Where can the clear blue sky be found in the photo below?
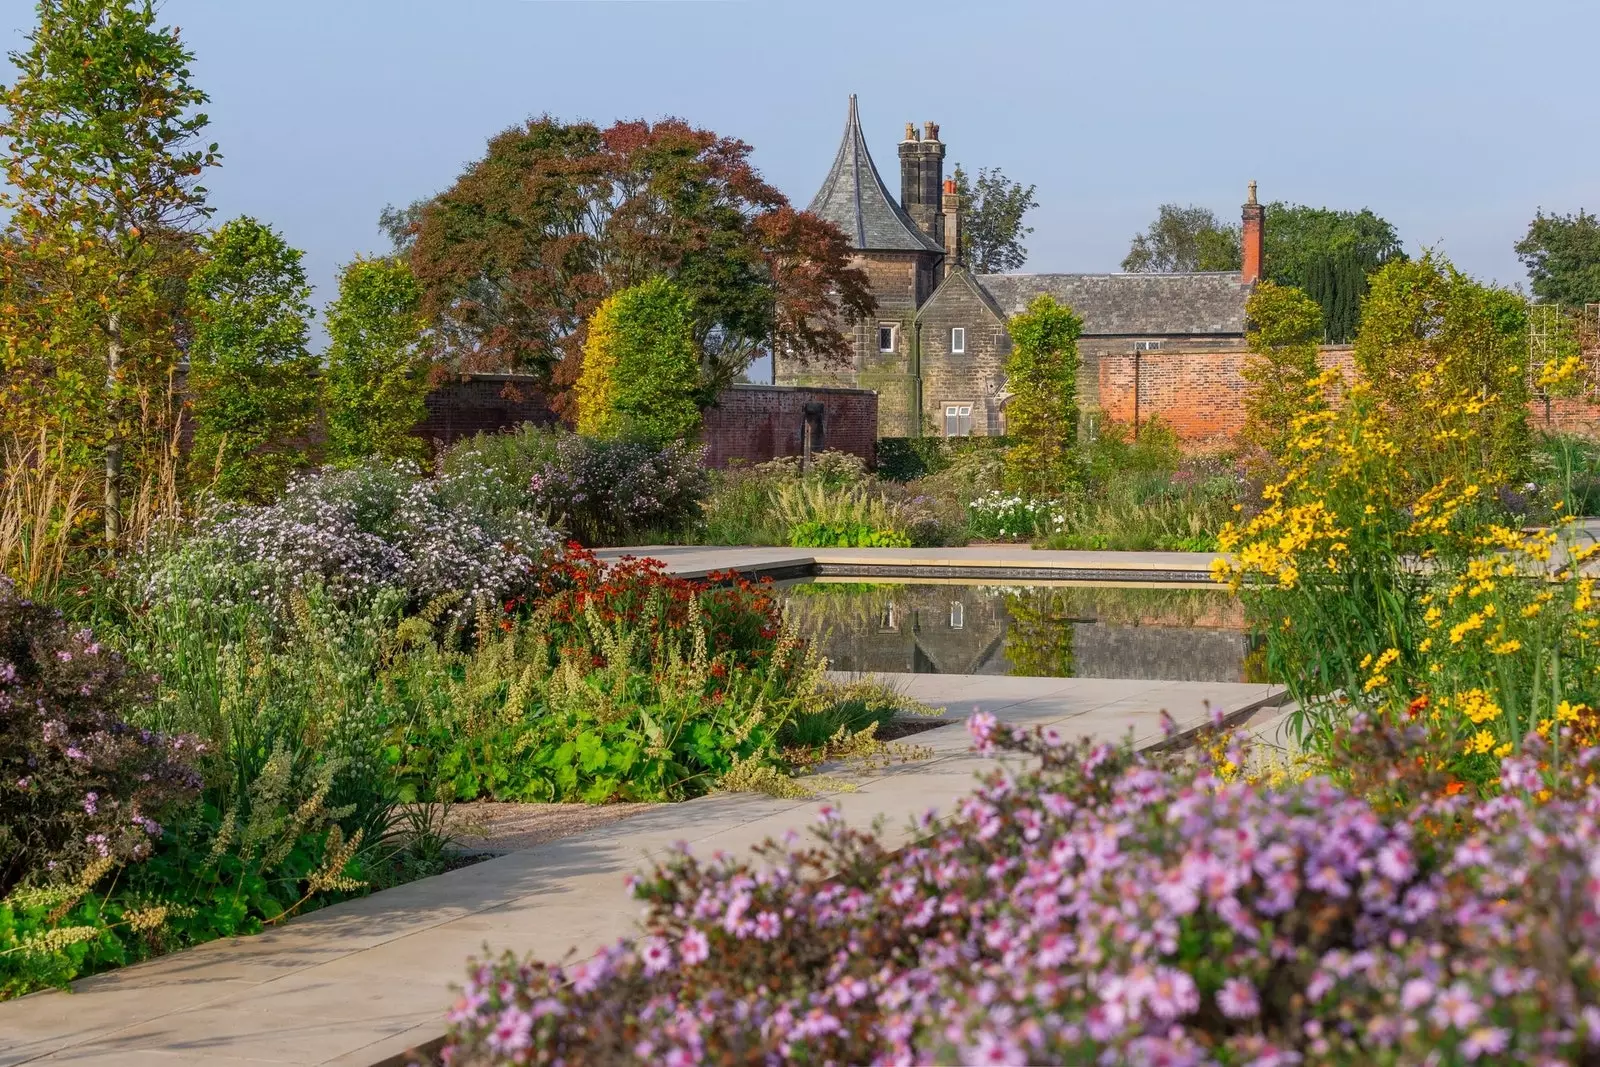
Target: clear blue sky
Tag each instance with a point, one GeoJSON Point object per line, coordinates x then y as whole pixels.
{"type": "Point", "coordinates": [1454, 119]}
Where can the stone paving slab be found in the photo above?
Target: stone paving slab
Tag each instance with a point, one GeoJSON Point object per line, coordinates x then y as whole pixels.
{"type": "Point", "coordinates": [367, 979]}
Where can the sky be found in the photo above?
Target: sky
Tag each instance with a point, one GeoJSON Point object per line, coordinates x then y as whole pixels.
{"type": "Point", "coordinates": [1454, 120]}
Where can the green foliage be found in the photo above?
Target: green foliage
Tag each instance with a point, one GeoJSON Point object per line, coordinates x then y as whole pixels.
{"type": "Point", "coordinates": [1184, 239]}
{"type": "Point", "coordinates": [836, 534]}
{"type": "Point", "coordinates": [101, 196]}
{"type": "Point", "coordinates": [992, 209]}
{"type": "Point", "coordinates": [1042, 415]}
{"type": "Point", "coordinates": [252, 384]}
{"type": "Point", "coordinates": [377, 368]}
{"type": "Point", "coordinates": [1426, 321]}
{"type": "Point", "coordinates": [641, 375]}
{"type": "Point", "coordinates": [1284, 329]}
{"type": "Point", "coordinates": [1562, 254]}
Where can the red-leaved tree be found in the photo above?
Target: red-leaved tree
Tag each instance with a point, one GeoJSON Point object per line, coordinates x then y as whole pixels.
{"type": "Point", "coordinates": [515, 256]}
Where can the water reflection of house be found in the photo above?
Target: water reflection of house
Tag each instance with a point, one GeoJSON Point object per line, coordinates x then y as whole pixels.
{"type": "Point", "coordinates": [952, 629]}
{"type": "Point", "coordinates": [913, 629]}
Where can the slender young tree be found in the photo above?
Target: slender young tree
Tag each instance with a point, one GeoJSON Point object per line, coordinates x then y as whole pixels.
{"type": "Point", "coordinates": [102, 197]}
{"type": "Point", "coordinates": [992, 210]}
{"type": "Point", "coordinates": [1042, 415]}
{"type": "Point", "coordinates": [377, 367]}
{"type": "Point", "coordinates": [641, 366]}
{"type": "Point", "coordinates": [252, 385]}
{"type": "Point", "coordinates": [1284, 332]}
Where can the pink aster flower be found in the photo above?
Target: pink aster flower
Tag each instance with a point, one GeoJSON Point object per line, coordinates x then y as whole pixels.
{"type": "Point", "coordinates": [695, 947]}
{"type": "Point", "coordinates": [1455, 1007]}
{"type": "Point", "coordinates": [655, 955]}
{"type": "Point", "coordinates": [1237, 999]}
{"type": "Point", "coordinates": [768, 926]}
{"type": "Point", "coordinates": [513, 1031]}
{"type": "Point", "coordinates": [1490, 1040]}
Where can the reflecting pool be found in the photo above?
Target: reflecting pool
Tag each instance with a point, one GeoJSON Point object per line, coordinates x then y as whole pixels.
{"type": "Point", "coordinates": [1064, 630]}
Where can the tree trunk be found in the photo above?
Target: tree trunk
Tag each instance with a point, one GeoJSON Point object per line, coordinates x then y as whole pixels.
{"type": "Point", "coordinates": [113, 497]}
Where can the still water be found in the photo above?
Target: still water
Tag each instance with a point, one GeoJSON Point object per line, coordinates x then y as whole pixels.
{"type": "Point", "coordinates": [1053, 631]}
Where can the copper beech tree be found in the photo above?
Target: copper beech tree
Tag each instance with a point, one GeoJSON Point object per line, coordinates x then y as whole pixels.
{"type": "Point", "coordinates": [518, 253]}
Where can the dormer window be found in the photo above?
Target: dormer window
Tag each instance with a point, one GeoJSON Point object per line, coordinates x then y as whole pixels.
{"type": "Point", "coordinates": [958, 341]}
{"type": "Point", "coordinates": [885, 338]}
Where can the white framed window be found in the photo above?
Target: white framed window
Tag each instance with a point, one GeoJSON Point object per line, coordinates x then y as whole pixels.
{"type": "Point", "coordinates": [1147, 346]}
{"type": "Point", "coordinates": [958, 615]}
{"type": "Point", "coordinates": [886, 338]}
{"type": "Point", "coordinates": [958, 420]}
{"type": "Point", "coordinates": [958, 340]}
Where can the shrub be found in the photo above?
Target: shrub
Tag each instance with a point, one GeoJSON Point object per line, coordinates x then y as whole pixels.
{"type": "Point", "coordinates": [1107, 908]}
{"type": "Point", "coordinates": [641, 366]}
{"type": "Point", "coordinates": [78, 784]}
{"type": "Point", "coordinates": [377, 369]}
{"type": "Point", "coordinates": [1042, 416]}
{"type": "Point", "coordinates": [353, 532]}
{"type": "Point", "coordinates": [816, 505]}
{"type": "Point", "coordinates": [622, 683]}
{"type": "Point", "coordinates": [602, 492]}
{"type": "Point", "coordinates": [905, 459]}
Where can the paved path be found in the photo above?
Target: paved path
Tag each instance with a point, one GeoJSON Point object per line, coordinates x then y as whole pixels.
{"type": "Point", "coordinates": [367, 979]}
{"type": "Point", "coordinates": [997, 562]}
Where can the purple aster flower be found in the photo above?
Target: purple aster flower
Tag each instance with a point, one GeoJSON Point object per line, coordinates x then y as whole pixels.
{"type": "Point", "coordinates": [1237, 999]}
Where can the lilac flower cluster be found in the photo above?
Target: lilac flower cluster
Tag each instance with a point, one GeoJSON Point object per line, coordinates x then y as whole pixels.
{"type": "Point", "coordinates": [77, 783]}
{"type": "Point", "coordinates": [605, 492]}
{"type": "Point", "coordinates": [1108, 908]}
{"type": "Point", "coordinates": [355, 531]}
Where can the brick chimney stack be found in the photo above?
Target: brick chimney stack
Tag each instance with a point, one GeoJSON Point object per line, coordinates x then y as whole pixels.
{"type": "Point", "coordinates": [1252, 238]}
{"type": "Point", "coordinates": [952, 226]}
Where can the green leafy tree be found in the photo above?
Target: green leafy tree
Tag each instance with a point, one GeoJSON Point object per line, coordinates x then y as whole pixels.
{"type": "Point", "coordinates": [992, 209]}
{"type": "Point", "coordinates": [1042, 414]}
{"type": "Point", "coordinates": [1284, 331]}
{"type": "Point", "coordinates": [641, 366]}
{"type": "Point", "coordinates": [252, 384]}
{"type": "Point", "coordinates": [1562, 254]}
{"type": "Point", "coordinates": [102, 198]}
{"type": "Point", "coordinates": [1183, 239]}
{"type": "Point", "coordinates": [377, 376]}
{"type": "Point", "coordinates": [1445, 357]}
{"type": "Point", "coordinates": [1330, 255]}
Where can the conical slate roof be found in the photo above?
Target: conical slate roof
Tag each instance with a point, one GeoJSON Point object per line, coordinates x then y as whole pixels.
{"type": "Point", "coordinates": [853, 197]}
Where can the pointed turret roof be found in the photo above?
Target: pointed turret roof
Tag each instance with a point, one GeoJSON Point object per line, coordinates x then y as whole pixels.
{"type": "Point", "coordinates": [854, 198]}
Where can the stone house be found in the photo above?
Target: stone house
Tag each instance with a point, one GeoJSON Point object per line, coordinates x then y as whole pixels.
{"type": "Point", "coordinates": [935, 351]}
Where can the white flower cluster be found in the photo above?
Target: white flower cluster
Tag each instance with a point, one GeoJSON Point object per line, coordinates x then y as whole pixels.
{"type": "Point", "coordinates": [354, 532]}
{"type": "Point", "coordinates": [1001, 514]}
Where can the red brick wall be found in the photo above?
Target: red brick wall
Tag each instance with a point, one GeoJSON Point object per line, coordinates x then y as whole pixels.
{"type": "Point", "coordinates": [1200, 394]}
{"type": "Point", "coordinates": [1566, 414]}
{"type": "Point", "coordinates": [755, 423]}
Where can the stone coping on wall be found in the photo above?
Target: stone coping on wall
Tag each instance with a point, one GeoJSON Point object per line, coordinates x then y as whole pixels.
{"type": "Point", "coordinates": [986, 563]}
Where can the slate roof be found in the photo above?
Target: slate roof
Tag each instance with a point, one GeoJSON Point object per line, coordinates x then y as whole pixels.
{"type": "Point", "coordinates": [854, 198]}
{"type": "Point", "coordinates": [1132, 305]}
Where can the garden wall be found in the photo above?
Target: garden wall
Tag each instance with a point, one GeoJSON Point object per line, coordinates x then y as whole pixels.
{"type": "Point", "coordinates": [1199, 393]}
{"type": "Point", "coordinates": [748, 423]}
{"type": "Point", "coordinates": [466, 404]}
{"type": "Point", "coordinates": [755, 423]}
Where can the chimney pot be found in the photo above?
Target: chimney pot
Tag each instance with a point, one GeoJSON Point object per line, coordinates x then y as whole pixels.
{"type": "Point", "coordinates": [949, 187]}
{"type": "Point", "coordinates": [911, 132]}
{"type": "Point", "coordinates": [930, 131]}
